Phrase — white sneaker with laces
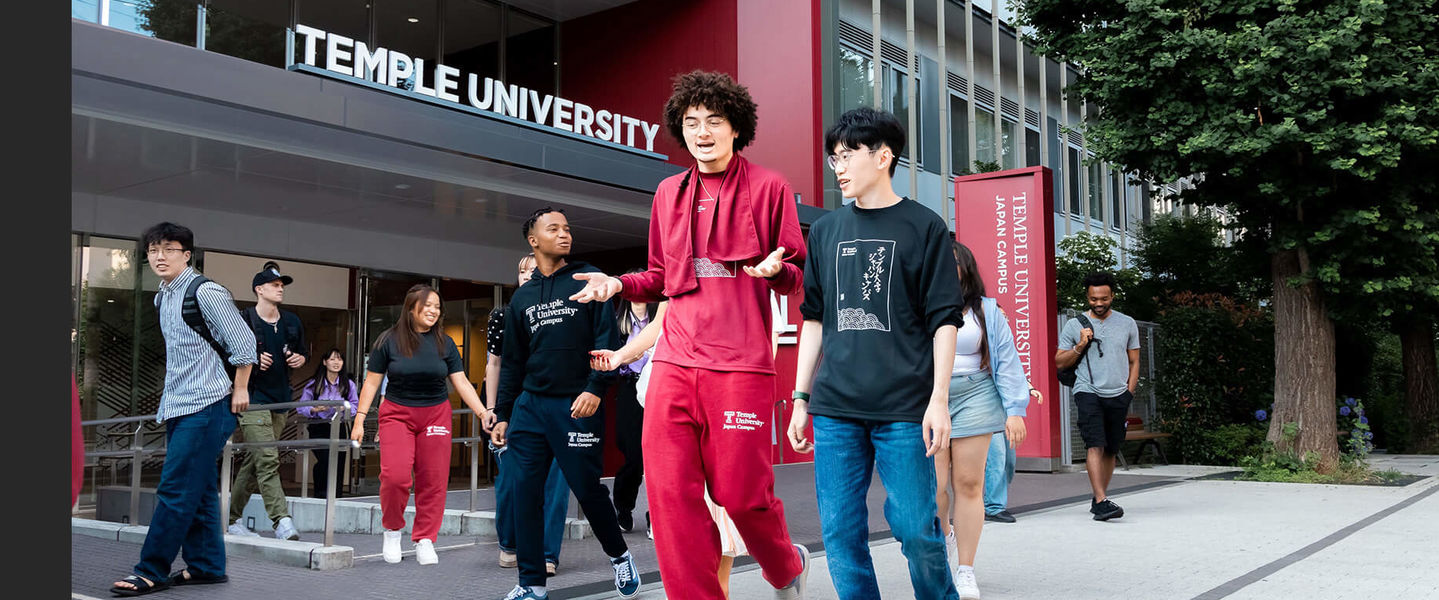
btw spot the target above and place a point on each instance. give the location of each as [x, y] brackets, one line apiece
[237, 529]
[391, 550]
[425, 552]
[965, 584]
[951, 547]
[285, 530]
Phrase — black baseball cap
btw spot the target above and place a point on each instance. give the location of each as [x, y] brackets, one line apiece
[270, 273]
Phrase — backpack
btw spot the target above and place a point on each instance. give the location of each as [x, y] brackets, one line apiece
[190, 312]
[1068, 376]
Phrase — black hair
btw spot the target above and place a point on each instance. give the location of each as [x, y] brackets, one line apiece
[718, 92]
[971, 292]
[167, 232]
[342, 383]
[1097, 279]
[535, 217]
[866, 127]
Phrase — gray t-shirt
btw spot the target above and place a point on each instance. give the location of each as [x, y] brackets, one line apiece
[1116, 336]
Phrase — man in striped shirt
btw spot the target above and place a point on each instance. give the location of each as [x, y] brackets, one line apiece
[198, 408]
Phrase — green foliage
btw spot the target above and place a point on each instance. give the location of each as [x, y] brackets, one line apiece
[1227, 445]
[1083, 253]
[1188, 254]
[979, 167]
[1216, 357]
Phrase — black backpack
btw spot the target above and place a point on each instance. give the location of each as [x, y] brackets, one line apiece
[1068, 376]
[190, 312]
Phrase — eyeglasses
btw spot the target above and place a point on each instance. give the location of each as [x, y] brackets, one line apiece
[169, 252]
[835, 160]
[710, 123]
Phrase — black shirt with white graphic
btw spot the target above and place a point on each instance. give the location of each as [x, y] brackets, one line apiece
[548, 339]
[881, 281]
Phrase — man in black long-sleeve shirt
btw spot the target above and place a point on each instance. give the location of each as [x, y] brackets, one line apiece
[549, 399]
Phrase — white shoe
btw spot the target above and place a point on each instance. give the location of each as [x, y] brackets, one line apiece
[425, 552]
[237, 529]
[951, 548]
[391, 551]
[285, 530]
[965, 584]
[795, 590]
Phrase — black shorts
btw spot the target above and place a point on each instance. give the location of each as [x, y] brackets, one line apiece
[1103, 421]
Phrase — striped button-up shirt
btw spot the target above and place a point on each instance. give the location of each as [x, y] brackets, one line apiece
[195, 377]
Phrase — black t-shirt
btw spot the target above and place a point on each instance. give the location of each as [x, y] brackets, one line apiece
[272, 385]
[419, 380]
[881, 281]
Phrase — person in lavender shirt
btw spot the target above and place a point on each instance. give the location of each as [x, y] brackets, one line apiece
[331, 382]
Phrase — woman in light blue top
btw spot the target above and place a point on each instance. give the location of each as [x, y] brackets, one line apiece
[988, 394]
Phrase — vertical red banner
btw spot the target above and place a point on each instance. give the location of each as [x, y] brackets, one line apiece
[1006, 219]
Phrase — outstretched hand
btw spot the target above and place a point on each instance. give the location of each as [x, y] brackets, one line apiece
[598, 287]
[769, 267]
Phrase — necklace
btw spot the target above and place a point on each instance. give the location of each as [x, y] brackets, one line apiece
[706, 190]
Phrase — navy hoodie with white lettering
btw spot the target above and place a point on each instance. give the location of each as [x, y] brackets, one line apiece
[548, 339]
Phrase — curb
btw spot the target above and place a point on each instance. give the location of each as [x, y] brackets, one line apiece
[310, 555]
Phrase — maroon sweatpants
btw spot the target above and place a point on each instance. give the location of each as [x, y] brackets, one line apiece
[414, 440]
[712, 427]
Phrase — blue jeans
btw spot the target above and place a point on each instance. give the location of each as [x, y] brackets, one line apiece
[557, 503]
[187, 500]
[847, 452]
[998, 472]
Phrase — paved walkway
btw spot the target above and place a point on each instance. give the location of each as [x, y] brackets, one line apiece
[1180, 538]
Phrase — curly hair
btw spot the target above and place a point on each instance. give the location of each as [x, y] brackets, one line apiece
[718, 92]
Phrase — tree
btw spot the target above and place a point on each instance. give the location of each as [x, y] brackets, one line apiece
[1188, 254]
[1299, 116]
[1083, 253]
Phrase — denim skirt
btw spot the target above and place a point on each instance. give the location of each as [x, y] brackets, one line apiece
[974, 406]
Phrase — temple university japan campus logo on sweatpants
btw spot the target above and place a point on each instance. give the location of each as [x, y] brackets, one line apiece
[863, 269]
[582, 439]
[437, 430]
[741, 420]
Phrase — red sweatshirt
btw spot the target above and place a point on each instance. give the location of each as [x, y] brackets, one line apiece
[719, 317]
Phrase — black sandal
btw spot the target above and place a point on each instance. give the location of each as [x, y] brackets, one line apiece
[185, 577]
[141, 588]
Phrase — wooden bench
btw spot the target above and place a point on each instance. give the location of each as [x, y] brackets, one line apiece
[1135, 432]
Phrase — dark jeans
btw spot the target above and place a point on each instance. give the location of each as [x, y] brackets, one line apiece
[629, 424]
[541, 431]
[557, 503]
[187, 500]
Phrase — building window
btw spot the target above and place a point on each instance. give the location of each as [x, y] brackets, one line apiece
[412, 28]
[1116, 200]
[1096, 201]
[856, 79]
[530, 53]
[350, 18]
[85, 10]
[959, 135]
[1075, 199]
[169, 20]
[250, 29]
[472, 37]
[1031, 147]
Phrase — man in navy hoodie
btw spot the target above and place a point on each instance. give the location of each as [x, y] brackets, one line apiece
[549, 399]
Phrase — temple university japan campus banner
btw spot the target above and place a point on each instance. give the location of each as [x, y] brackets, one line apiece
[1004, 218]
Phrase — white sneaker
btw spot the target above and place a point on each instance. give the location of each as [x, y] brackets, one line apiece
[237, 529]
[391, 551]
[285, 530]
[951, 548]
[965, 584]
[425, 552]
[795, 590]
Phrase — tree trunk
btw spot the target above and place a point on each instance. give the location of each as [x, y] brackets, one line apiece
[1421, 378]
[1303, 367]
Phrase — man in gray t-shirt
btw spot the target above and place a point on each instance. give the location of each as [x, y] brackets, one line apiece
[1107, 355]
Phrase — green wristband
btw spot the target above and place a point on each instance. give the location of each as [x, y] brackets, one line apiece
[798, 395]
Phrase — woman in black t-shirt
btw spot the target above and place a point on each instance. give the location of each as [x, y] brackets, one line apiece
[414, 431]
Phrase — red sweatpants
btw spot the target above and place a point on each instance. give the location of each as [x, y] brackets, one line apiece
[414, 440]
[712, 427]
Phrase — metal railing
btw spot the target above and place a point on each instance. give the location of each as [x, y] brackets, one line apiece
[335, 444]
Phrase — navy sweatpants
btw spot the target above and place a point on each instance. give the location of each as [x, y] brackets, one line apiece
[542, 430]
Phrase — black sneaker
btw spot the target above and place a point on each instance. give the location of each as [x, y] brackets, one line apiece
[627, 521]
[1104, 511]
[1002, 516]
